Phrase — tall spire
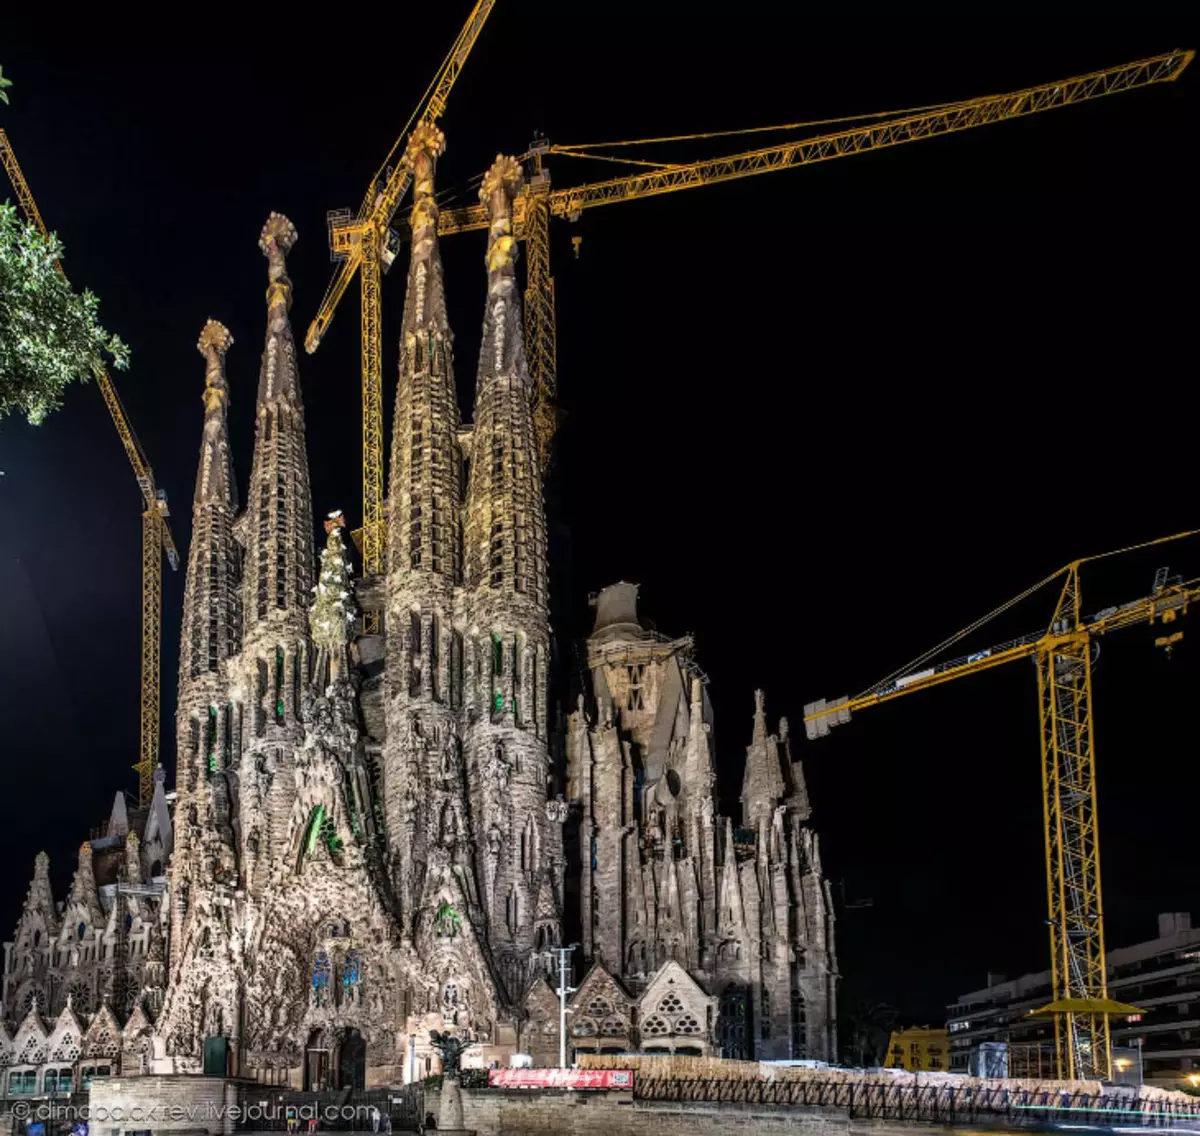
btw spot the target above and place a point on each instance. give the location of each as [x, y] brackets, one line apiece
[211, 601]
[424, 797]
[505, 571]
[279, 532]
[424, 483]
[765, 783]
[506, 528]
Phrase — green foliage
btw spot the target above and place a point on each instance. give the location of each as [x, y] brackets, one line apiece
[49, 335]
[4, 83]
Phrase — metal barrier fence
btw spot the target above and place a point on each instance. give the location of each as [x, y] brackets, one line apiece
[934, 1103]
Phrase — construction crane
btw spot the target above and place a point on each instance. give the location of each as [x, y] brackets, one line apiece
[156, 531]
[538, 203]
[1063, 653]
[363, 244]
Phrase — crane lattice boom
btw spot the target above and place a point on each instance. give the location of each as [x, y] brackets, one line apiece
[539, 202]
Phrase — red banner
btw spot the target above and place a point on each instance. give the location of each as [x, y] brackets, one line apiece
[560, 1078]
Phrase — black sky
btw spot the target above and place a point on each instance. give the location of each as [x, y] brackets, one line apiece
[823, 417]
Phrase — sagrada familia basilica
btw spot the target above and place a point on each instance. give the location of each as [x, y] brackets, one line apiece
[383, 826]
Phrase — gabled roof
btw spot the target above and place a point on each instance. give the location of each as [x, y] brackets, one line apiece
[103, 1020]
[30, 1023]
[672, 976]
[539, 996]
[598, 980]
[67, 1021]
[139, 1022]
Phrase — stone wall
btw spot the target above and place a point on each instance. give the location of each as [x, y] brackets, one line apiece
[163, 1104]
[525, 1112]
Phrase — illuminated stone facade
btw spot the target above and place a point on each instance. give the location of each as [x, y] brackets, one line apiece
[84, 977]
[371, 837]
[744, 912]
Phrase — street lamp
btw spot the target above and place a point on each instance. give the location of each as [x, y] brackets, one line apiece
[563, 957]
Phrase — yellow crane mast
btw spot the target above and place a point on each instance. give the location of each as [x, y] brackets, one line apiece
[156, 531]
[361, 244]
[1063, 654]
[538, 203]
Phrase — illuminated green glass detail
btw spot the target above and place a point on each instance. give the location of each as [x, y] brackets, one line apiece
[447, 920]
[279, 685]
[498, 701]
[315, 819]
[330, 835]
[497, 655]
[211, 739]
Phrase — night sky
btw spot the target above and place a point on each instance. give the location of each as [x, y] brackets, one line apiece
[824, 417]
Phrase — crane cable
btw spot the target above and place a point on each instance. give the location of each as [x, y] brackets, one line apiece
[402, 139]
[369, 198]
[1016, 600]
[765, 129]
[910, 666]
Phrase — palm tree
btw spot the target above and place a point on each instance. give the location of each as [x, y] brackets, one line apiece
[866, 1030]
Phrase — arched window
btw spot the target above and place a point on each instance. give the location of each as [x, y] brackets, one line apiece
[322, 977]
[799, 1024]
[733, 1023]
[655, 1026]
[81, 932]
[352, 970]
[497, 674]
[764, 1016]
[279, 684]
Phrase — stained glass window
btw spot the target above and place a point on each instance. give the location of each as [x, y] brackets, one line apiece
[279, 685]
[210, 740]
[352, 969]
[321, 979]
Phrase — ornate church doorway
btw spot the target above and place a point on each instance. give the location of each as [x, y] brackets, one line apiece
[352, 1061]
[316, 1063]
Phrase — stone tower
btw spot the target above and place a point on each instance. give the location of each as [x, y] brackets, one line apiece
[742, 911]
[204, 867]
[423, 778]
[518, 841]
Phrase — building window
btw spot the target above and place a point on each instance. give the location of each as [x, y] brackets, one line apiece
[414, 654]
[322, 977]
[435, 678]
[634, 700]
[57, 1081]
[210, 740]
[89, 1073]
[517, 657]
[456, 670]
[22, 1082]
[279, 686]
[497, 674]
[733, 1023]
[799, 1025]
[260, 714]
[352, 972]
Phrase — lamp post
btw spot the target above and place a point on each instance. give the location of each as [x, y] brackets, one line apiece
[563, 956]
